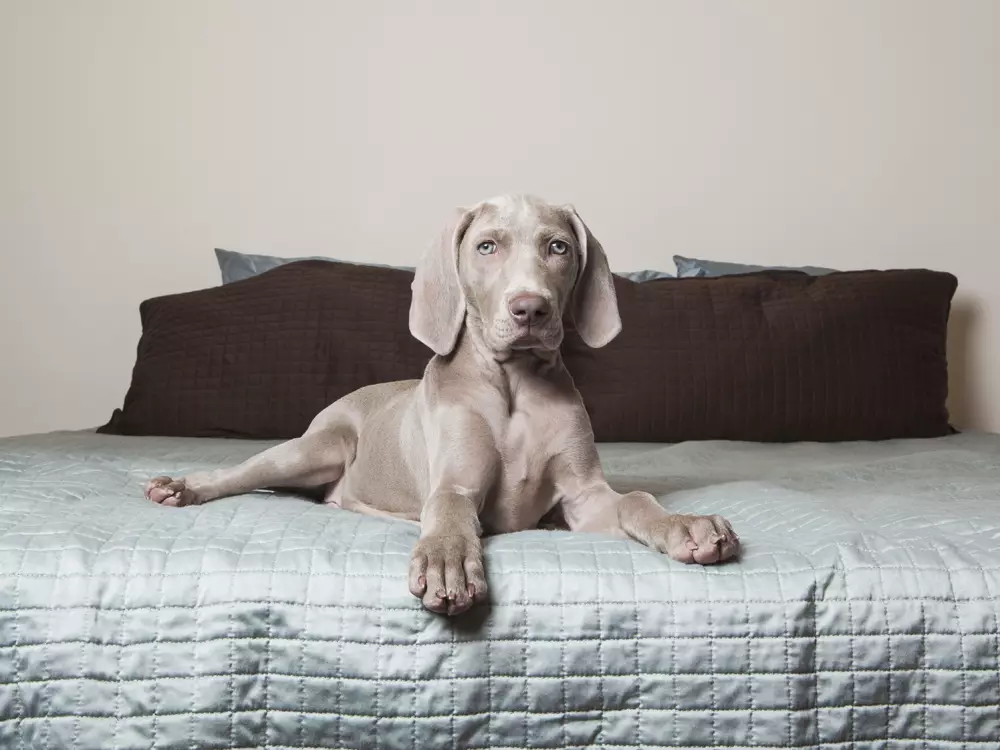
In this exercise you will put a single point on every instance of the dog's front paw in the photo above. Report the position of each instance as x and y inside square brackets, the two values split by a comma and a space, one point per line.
[695, 539]
[173, 492]
[446, 573]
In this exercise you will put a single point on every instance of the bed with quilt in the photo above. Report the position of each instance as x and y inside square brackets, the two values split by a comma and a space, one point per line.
[808, 408]
[862, 613]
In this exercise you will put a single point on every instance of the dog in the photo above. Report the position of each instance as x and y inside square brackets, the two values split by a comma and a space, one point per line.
[494, 436]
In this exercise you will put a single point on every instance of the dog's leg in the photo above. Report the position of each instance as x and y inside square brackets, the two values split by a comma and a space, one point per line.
[689, 539]
[446, 567]
[590, 505]
[314, 459]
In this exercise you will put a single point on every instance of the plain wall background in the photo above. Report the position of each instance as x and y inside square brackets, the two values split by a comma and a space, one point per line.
[137, 136]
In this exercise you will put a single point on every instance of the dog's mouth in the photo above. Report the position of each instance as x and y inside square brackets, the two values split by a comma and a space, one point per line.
[546, 338]
[527, 341]
[504, 335]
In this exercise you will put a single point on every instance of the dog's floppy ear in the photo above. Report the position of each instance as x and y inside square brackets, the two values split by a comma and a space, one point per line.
[437, 306]
[595, 306]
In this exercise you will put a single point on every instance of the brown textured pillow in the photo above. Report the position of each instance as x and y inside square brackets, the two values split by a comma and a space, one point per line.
[773, 356]
[259, 358]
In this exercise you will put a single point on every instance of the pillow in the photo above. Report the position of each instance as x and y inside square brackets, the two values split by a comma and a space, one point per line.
[261, 357]
[236, 266]
[772, 356]
[691, 267]
[641, 276]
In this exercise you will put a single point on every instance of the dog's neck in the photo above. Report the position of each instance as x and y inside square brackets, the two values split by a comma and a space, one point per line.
[508, 370]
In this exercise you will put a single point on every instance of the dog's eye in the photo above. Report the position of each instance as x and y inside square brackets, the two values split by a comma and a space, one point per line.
[558, 247]
[487, 248]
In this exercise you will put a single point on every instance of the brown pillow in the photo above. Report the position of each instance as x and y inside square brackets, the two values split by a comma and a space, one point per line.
[259, 358]
[772, 356]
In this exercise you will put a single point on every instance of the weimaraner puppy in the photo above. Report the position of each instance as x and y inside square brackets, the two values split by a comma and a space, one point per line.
[495, 435]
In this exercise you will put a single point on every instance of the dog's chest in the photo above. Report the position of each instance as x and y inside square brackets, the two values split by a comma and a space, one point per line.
[525, 491]
[527, 447]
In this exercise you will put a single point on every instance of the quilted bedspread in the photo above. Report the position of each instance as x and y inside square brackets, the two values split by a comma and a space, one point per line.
[862, 614]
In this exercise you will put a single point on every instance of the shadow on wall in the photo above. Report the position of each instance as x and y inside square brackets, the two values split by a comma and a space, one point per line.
[964, 403]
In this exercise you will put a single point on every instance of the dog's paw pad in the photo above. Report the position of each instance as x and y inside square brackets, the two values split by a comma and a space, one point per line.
[697, 539]
[446, 573]
[171, 492]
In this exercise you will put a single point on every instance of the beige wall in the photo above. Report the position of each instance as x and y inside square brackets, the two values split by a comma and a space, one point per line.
[137, 136]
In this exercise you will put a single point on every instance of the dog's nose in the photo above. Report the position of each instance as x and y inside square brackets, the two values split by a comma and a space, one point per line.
[529, 309]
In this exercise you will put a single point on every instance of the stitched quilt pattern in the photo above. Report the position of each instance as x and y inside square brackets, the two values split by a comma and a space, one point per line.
[863, 613]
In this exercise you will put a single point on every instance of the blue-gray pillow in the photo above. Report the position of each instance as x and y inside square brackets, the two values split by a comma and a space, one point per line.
[641, 276]
[236, 266]
[698, 268]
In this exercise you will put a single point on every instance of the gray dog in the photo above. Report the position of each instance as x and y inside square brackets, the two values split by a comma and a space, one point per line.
[495, 434]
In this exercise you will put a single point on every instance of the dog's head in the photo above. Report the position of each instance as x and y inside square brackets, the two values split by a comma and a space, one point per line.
[512, 268]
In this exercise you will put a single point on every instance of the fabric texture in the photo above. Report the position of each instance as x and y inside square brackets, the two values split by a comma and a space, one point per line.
[772, 356]
[235, 266]
[262, 357]
[862, 614]
[697, 267]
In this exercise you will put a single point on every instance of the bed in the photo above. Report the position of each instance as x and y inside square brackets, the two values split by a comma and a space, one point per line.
[862, 614]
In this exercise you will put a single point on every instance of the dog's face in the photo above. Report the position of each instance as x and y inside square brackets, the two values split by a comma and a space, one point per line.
[518, 264]
[511, 268]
